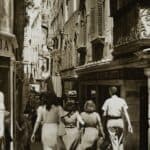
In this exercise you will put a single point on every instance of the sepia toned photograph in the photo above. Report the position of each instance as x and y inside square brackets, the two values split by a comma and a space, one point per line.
[74, 75]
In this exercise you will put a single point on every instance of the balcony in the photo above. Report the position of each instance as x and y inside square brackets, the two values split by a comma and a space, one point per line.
[131, 31]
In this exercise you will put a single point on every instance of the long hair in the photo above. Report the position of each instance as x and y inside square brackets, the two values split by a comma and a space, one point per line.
[49, 99]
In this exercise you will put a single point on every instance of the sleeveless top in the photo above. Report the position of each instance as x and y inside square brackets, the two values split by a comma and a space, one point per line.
[48, 116]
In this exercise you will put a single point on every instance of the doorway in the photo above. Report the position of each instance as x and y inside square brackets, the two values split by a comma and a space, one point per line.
[143, 117]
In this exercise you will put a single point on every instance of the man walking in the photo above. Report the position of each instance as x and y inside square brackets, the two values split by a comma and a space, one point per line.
[114, 109]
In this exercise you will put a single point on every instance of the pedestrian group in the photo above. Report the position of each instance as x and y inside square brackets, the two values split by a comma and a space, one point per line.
[66, 128]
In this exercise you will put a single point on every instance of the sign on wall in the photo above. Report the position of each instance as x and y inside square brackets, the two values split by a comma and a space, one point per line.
[5, 47]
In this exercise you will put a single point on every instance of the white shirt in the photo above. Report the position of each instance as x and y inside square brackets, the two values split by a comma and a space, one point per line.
[114, 107]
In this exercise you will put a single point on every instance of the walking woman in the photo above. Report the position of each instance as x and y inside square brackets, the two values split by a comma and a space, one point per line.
[49, 117]
[71, 119]
[93, 127]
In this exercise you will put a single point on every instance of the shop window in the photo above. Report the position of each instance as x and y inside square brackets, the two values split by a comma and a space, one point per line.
[91, 92]
[74, 5]
[97, 51]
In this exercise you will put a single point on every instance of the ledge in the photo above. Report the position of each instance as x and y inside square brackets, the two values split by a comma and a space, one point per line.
[81, 49]
[131, 47]
[105, 65]
[98, 39]
[6, 34]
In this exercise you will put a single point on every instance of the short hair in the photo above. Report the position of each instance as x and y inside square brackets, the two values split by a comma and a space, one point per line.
[113, 90]
[70, 105]
[89, 103]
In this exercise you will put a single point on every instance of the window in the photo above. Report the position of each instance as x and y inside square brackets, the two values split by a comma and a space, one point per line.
[66, 11]
[97, 51]
[97, 18]
[55, 46]
[82, 58]
[6, 15]
[81, 55]
[75, 4]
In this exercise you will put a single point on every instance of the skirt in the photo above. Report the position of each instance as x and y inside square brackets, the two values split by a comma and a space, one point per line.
[49, 136]
[70, 137]
[89, 138]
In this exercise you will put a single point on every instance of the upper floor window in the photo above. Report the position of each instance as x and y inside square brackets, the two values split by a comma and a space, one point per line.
[56, 42]
[75, 4]
[97, 51]
[66, 11]
[6, 15]
[97, 18]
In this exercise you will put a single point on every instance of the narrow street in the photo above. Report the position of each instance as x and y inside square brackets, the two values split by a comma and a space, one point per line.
[74, 64]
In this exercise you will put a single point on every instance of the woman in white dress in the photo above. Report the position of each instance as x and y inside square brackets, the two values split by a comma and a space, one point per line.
[49, 117]
[93, 127]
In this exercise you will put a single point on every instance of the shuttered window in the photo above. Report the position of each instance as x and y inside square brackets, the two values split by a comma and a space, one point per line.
[100, 17]
[97, 18]
[92, 29]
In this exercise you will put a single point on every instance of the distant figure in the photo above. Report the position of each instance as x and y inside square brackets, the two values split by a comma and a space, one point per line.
[114, 108]
[23, 126]
[93, 127]
[49, 116]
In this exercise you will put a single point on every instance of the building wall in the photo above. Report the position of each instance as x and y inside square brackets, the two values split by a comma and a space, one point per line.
[74, 25]
[36, 54]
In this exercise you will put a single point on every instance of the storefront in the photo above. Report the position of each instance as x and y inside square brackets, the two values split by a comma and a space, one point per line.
[132, 85]
[69, 81]
[7, 73]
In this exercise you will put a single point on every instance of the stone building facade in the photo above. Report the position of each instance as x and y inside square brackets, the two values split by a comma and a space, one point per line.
[127, 68]
[11, 42]
[36, 56]
[78, 29]
[101, 43]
